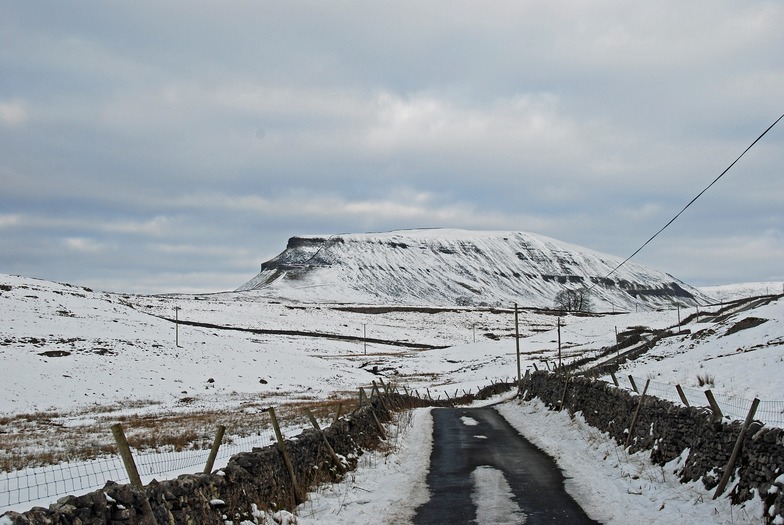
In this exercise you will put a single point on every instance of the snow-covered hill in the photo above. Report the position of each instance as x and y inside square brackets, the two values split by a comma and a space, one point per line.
[75, 360]
[458, 267]
[730, 292]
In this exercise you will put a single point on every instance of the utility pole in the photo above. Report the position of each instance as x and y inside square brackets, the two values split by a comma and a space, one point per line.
[176, 326]
[559, 340]
[517, 345]
[679, 316]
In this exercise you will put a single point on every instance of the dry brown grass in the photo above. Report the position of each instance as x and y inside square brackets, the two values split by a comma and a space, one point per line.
[47, 438]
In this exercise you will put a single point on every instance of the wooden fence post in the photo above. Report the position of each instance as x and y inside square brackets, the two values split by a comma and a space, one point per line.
[214, 450]
[286, 459]
[380, 398]
[338, 413]
[714, 405]
[335, 458]
[563, 394]
[615, 379]
[634, 385]
[682, 395]
[378, 425]
[362, 397]
[125, 453]
[636, 413]
[735, 451]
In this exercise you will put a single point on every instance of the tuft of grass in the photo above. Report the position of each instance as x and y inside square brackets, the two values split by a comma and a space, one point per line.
[705, 379]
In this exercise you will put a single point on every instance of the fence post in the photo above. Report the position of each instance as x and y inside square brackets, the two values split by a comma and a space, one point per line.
[636, 413]
[335, 458]
[338, 413]
[214, 450]
[714, 405]
[286, 459]
[125, 454]
[536, 369]
[380, 398]
[378, 425]
[615, 379]
[634, 385]
[682, 395]
[362, 397]
[563, 394]
[735, 451]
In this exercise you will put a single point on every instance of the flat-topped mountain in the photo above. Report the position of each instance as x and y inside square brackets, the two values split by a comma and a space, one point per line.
[456, 267]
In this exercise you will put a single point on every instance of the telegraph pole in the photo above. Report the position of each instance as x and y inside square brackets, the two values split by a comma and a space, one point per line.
[176, 326]
[558, 320]
[517, 346]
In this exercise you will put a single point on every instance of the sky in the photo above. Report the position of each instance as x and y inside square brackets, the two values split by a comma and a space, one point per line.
[173, 146]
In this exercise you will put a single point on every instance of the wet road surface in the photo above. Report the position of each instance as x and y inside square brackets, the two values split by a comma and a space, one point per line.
[483, 471]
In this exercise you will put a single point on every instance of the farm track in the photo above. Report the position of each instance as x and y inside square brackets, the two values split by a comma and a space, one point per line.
[305, 333]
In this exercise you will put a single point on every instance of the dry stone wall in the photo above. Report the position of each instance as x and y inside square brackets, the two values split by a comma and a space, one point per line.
[669, 431]
[250, 485]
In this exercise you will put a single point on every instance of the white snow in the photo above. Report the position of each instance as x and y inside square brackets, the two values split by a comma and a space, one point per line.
[493, 498]
[614, 487]
[80, 356]
[445, 267]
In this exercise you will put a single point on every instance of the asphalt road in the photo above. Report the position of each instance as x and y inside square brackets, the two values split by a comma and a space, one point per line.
[483, 471]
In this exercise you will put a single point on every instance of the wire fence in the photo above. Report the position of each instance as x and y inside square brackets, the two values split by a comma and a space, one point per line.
[47, 483]
[732, 407]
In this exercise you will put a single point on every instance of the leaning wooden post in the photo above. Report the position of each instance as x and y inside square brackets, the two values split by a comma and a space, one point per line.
[362, 397]
[682, 395]
[214, 450]
[125, 454]
[563, 394]
[735, 451]
[335, 458]
[636, 413]
[714, 405]
[634, 385]
[615, 379]
[378, 424]
[380, 398]
[282, 447]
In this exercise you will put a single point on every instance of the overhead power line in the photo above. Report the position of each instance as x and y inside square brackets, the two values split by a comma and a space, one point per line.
[638, 250]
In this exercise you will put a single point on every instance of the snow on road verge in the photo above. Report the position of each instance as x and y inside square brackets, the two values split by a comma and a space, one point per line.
[614, 487]
[386, 487]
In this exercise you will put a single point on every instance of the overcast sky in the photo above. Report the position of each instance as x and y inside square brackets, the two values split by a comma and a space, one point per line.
[172, 146]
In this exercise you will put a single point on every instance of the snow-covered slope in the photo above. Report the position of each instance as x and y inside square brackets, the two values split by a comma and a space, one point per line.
[457, 267]
[729, 292]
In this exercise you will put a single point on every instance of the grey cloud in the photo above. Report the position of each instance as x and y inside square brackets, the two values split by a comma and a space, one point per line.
[133, 135]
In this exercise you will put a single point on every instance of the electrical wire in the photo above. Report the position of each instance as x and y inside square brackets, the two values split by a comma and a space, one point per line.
[638, 250]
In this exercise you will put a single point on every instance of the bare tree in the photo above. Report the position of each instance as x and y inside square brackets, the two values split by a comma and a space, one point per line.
[574, 300]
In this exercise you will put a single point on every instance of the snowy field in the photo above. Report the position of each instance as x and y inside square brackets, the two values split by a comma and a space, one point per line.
[73, 359]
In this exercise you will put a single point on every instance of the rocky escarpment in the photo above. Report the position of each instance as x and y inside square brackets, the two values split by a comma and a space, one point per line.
[456, 267]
